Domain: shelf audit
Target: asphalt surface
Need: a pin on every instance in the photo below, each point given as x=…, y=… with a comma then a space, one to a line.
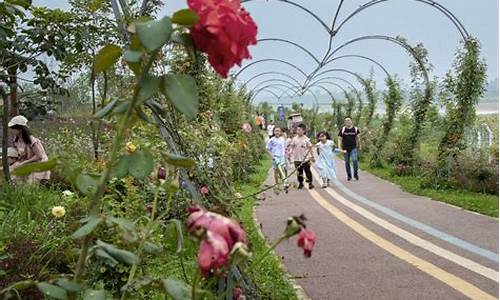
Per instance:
x=375, y=241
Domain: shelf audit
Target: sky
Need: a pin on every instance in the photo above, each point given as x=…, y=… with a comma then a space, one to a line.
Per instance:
x=408, y=18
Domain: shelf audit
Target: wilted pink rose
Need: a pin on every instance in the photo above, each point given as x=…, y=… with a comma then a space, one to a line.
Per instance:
x=214, y=253
x=218, y=234
x=247, y=128
x=204, y=190
x=306, y=241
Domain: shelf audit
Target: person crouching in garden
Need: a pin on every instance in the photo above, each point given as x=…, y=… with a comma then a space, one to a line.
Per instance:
x=326, y=158
x=349, y=141
x=276, y=146
x=29, y=148
x=300, y=149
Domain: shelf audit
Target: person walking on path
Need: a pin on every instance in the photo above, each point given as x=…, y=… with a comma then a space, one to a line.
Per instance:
x=300, y=149
x=349, y=141
x=30, y=148
x=276, y=146
x=326, y=155
x=270, y=129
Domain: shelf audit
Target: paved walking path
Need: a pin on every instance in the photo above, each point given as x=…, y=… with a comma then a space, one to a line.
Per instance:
x=375, y=241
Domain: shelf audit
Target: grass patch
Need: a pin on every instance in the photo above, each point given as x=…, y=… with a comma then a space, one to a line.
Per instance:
x=485, y=204
x=269, y=277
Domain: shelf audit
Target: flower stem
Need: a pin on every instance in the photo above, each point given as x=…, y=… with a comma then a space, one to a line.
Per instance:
x=97, y=197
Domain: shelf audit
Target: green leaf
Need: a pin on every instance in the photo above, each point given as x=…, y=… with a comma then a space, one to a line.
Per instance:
x=149, y=87
x=154, y=34
x=132, y=56
x=106, y=57
x=141, y=164
x=121, y=107
x=181, y=90
x=35, y=167
x=69, y=286
x=179, y=161
x=108, y=258
x=152, y=248
x=185, y=17
x=105, y=110
x=52, y=291
x=177, y=289
x=124, y=256
x=87, y=228
x=121, y=168
x=86, y=184
x=94, y=295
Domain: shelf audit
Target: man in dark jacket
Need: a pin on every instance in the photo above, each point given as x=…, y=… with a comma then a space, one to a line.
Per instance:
x=349, y=141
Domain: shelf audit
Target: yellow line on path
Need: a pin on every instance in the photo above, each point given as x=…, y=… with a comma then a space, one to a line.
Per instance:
x=416, y=240
x=453, y=281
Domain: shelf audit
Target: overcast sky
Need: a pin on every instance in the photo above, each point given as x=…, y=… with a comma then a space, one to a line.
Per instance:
x=415, y=21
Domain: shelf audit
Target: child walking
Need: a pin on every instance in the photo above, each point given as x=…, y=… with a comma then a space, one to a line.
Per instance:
x=276, y=146
x=326, y=155
x=301, y=155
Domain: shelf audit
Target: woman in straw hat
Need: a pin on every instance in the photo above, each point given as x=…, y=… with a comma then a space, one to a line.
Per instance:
x=29, y=148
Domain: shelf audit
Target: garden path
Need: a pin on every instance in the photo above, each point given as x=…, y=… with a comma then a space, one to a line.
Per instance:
x=375, y=241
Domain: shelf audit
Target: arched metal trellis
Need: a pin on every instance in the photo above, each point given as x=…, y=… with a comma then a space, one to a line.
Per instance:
x=313, y=78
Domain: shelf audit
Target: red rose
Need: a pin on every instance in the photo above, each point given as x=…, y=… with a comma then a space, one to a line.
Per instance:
x=306, y=241
x=224, y=31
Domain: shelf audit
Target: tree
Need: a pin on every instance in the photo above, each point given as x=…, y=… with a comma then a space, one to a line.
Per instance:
x=28, y=35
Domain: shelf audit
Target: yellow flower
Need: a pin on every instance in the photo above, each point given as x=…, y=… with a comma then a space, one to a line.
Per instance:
x=130, y=147
x=58, y=211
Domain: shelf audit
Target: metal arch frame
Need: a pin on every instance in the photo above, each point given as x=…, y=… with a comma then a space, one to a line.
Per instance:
x=265, y=88
x=328, y=58
x=293, y=44
x=358, y=77
x=362, y=57
x=275, y=80
x=328, y=82
x=456, y=22
x=328, y=92
x=273, y=60
x=396, y=41
x=287, y=88
x=323, y=24
x=341, y=79
x=271, y=72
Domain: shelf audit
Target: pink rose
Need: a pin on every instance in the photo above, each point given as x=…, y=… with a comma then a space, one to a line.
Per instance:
x=204, y=190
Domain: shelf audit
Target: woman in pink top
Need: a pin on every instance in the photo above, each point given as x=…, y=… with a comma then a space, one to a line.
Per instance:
x=30, y=148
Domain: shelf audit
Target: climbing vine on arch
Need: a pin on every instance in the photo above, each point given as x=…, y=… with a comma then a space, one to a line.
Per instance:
x=462, y=88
